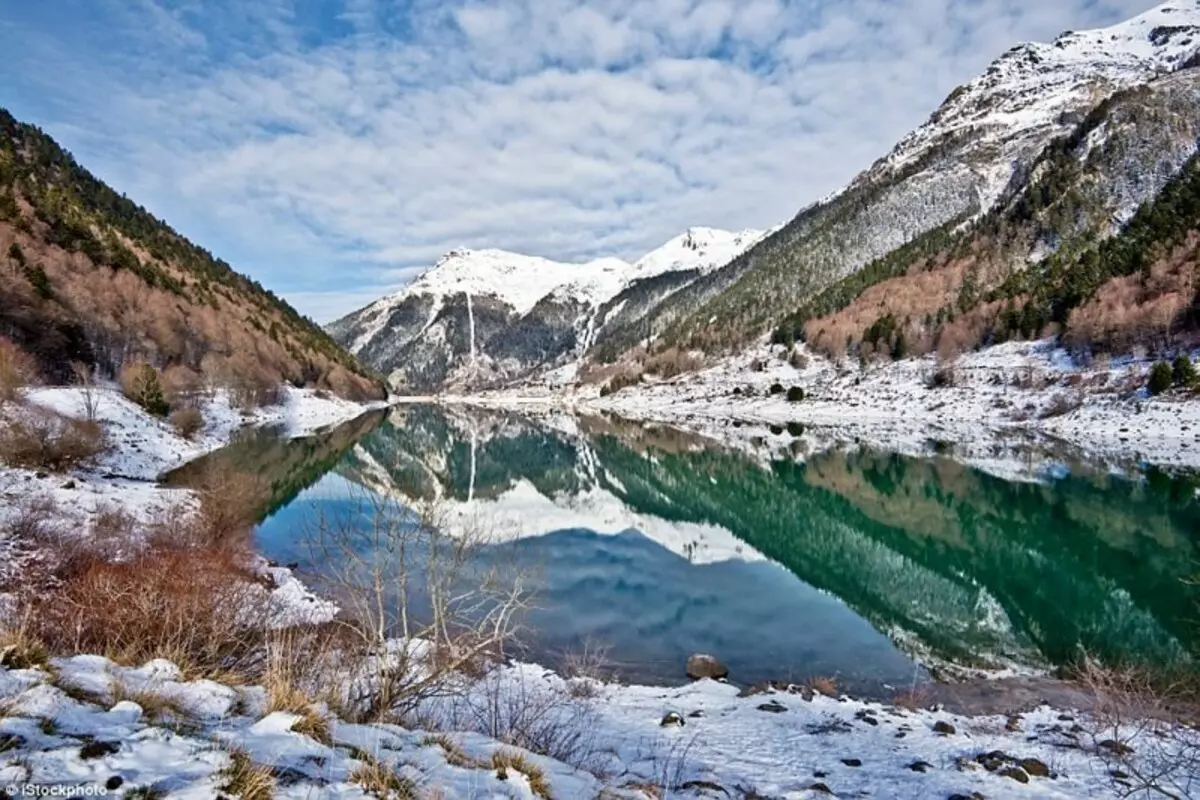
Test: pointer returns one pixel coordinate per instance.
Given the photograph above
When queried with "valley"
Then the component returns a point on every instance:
(897, 497)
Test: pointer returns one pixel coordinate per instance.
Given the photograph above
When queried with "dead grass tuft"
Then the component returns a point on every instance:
(248, 780)
(505, 760)
(455, 756)
(380, 780)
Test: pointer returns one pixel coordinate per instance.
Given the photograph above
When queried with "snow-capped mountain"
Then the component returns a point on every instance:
(1036, 91)
(478, 317)
(979, 147)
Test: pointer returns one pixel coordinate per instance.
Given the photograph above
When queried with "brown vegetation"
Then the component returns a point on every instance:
(187, 421)
(141, 383)
(200, 609)
(40, 439)
(86, 276)
(941, 306)
(1150, 307)
(17, 370)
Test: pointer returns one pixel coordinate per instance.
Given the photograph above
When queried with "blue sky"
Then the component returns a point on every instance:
(333, 148)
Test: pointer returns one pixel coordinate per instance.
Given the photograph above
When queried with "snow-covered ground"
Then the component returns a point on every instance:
(1005, 402)
(143, 447)
(90, 724)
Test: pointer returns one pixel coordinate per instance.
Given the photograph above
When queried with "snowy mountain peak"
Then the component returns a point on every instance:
(699, 248)
(1031, 92)
(520, 281)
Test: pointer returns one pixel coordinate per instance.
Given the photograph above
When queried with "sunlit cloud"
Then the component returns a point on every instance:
(331, 153)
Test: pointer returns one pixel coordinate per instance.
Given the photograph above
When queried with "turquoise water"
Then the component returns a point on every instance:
(856, 564)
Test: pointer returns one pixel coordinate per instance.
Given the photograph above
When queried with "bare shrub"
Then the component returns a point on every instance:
(187, 421)
(199, 609)
(38, 438)
(250, 384)
(1062, 404)
(229, 505)
(421, 605)
(535, 713)
(183, 387)
(1137, 732)
(943, 377)
(17, 370)
(587, 666)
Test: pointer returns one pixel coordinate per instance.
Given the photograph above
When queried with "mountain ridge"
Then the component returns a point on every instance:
(987, 147)
(93, 279)
(501, 292)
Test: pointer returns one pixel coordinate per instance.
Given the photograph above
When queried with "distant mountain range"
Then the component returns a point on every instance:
(483, 317)
(1044, 158)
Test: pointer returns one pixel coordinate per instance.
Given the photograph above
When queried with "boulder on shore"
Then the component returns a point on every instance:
(702, 665)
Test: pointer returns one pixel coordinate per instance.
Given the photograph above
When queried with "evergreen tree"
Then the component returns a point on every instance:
(1161, 378)
(1183, 372)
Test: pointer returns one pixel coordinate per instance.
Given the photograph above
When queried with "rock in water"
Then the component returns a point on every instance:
(702, 665)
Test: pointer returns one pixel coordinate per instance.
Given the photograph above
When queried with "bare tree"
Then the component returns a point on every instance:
(424, 605)
(85, 378)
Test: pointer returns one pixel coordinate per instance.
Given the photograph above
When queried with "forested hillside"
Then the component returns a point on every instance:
(1045, 155)
(88, 277)
(1070, 253)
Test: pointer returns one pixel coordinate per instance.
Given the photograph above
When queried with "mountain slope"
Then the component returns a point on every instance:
(1113, 198)
(91, 277)
(477, 318)
(979, 147)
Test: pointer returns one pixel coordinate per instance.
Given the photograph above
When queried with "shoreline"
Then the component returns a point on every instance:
(1005, 403)
(305, 414)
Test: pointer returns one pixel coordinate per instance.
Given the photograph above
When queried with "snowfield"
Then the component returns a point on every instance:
(87, 723)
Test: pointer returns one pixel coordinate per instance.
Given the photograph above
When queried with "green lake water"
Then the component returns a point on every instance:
(864, 565)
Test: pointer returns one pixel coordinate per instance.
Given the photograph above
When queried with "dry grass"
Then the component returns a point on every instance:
(823, 685)
(247, 780)
(505, 760)
(156, 705)
(914, 698)
(20, 649)
(455, 756)
(314, 725)
(41, 439)
(380, 780)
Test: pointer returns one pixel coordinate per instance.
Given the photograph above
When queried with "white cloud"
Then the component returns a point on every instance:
(328, 155)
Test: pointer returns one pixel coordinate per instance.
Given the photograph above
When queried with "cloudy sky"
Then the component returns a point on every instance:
(332, 148)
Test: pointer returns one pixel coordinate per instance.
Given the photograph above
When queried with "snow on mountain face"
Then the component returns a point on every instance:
(520, 281)
(985, 140)
(488, 315)
(1032, 91)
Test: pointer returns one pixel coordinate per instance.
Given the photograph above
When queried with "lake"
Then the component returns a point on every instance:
(875, 568)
